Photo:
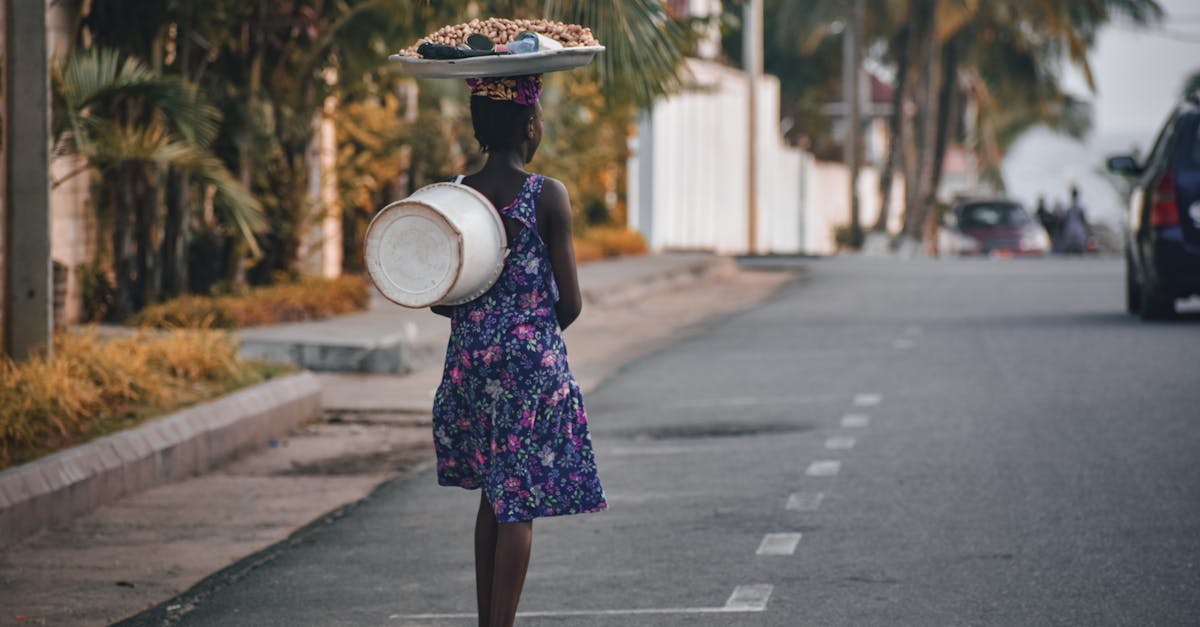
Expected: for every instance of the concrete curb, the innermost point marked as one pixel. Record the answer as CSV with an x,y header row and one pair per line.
x,y
675,278
59,487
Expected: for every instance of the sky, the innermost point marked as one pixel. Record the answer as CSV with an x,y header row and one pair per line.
x,y
1139,74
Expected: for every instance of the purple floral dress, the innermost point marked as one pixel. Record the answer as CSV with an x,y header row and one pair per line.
x,y
508,416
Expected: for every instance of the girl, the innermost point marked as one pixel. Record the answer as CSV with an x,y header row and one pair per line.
x,y
508,416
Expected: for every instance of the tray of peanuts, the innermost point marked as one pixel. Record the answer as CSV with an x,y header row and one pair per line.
x,y
485,46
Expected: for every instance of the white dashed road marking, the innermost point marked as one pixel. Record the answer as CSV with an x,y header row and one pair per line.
x,y
778,544
839,443
805,501
867,400
750,598
824,468
855,421
903,343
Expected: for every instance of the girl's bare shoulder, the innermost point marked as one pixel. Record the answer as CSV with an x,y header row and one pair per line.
x,y
554,198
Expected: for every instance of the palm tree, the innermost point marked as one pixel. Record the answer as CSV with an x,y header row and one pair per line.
x,y
644,45
266,66
1001,58
129,123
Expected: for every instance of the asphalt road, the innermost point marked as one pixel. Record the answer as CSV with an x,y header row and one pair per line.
x,y
954,442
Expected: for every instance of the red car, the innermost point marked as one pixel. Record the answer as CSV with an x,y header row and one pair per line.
x,y
995,227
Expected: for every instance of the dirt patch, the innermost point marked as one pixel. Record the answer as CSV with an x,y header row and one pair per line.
x,y
340,450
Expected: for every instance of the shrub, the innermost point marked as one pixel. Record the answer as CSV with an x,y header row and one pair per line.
x,y
96,290
586,250
611,241
309,299
92,386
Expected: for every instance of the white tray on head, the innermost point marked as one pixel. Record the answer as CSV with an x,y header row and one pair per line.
x,y
539,62
444,245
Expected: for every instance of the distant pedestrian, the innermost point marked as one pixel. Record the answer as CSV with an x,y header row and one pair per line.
x,y
1075,226
508,417
1044,217
1058,216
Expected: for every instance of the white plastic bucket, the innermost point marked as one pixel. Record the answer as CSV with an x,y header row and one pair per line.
x,y
444,245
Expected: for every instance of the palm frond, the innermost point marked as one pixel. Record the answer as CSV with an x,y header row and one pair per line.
x,y
644,45
112,144
98,77
233,202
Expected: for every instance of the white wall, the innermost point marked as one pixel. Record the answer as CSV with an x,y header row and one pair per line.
x,y
827,203
72,230
688,175
689,182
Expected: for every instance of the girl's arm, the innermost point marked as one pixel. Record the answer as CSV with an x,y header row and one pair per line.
x,y
555,225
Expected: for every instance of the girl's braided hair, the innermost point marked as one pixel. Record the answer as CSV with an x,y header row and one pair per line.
x,y
499,123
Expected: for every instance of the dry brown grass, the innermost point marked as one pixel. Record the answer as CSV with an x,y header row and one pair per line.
x,y
586,250
599,242
310,299
93,386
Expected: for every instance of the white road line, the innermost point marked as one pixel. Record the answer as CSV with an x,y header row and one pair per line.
x,y
867,400
748,598
903,343
805,501
839,443
824,468
855,421
778,544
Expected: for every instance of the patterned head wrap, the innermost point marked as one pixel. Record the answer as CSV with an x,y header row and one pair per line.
x,y
523,90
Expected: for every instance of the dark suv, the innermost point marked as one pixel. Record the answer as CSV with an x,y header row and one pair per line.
x,y
1162,241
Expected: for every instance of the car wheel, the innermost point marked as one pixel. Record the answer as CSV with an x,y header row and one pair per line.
x,y
1154,304
1133,295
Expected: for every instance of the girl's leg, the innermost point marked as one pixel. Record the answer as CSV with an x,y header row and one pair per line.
x,y
485,556
513,543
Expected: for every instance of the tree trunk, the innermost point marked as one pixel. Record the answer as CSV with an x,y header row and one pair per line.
x,y
894,130
926,143
852,75
146,235
947,127
253,36
124,262
175,233
174,261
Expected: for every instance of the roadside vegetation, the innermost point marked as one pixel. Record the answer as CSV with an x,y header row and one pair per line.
x,y
308,299
969,74
601,242
196,122
94,386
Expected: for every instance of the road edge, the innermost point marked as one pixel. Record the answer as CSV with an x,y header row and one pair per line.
x,y
60,487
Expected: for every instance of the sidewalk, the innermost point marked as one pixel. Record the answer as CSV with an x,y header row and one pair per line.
x,y
388,339
134,553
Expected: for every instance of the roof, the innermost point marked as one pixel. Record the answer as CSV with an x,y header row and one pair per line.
x,y
880,91
880,103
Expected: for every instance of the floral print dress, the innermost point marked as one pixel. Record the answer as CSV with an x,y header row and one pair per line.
x,y
508,416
